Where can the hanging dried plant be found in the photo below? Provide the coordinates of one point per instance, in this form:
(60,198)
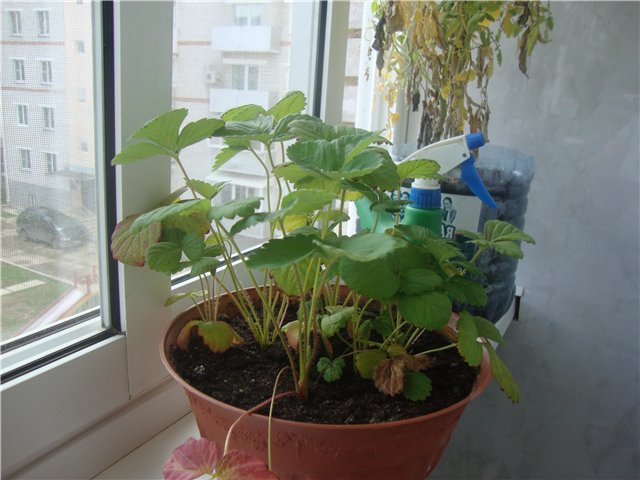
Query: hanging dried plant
(441,55)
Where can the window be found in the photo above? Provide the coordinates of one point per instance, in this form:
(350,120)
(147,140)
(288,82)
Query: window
(82,94)
(23,116)
(84,147)
(80,46)
(244,77)
(52,162)
(46,73)
(31,200)
(15,20)
(42,17)
(25,158)
(245,15)
(18,69)
(49,118)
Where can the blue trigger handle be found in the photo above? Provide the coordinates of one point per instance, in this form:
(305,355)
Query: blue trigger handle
(472,179)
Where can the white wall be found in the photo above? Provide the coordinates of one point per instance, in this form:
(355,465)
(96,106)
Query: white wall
(575,352)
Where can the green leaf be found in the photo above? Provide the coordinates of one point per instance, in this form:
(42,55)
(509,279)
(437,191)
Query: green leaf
(309,128)
(430,310)
(204,265)
(304,178)
(136,152)
(164,257)
(418,280)
(363,164)
(499,231)
(129,247)
(197,131)
(418,169)
(367,361)
(384,177)
(417,386)
(242,207)
(181,296)
(163,130)
(301,202)
(206,189)
(281,252)
(218,336)
(287,280)
(502,375)
(293,102)
(257,129)
(161,213)
(374,279)
(487,330)
(337,320)
(366,247)
(467,291)
(468,344)
(243,113)
(193,223)
(383,324)
(331,370)
(226,154)
(193,246)
(319,155)
(248,222)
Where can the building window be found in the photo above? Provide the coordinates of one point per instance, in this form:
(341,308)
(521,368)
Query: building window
(18,68)
(84,147)
(244,77)
(31,199)
(25,158)
(245,15)
(82,94)
(80,46)
(49,118)
(15,19)
(46,73)
(52,162)
(23,115)
(43,23)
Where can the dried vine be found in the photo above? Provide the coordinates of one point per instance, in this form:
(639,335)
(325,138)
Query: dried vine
(435,51)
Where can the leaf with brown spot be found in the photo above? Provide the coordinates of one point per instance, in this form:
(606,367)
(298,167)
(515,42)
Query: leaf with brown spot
(388,376)
(129,248)
(415,363)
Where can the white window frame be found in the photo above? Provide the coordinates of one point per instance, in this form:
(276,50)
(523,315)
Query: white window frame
(245,76)
(79,414)
(19,70)
(248,12)
(51,161)
(23,114)
(46,71)
(48,117)
(15,22)
(26,162)
(43,23)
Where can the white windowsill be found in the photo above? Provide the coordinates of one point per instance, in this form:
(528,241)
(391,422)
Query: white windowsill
(147,460)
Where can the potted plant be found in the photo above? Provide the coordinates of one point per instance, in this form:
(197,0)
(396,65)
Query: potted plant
(323,311)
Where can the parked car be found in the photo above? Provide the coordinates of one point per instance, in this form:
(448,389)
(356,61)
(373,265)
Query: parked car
(44,224)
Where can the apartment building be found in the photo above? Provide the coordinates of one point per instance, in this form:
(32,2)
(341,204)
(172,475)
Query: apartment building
(48,146)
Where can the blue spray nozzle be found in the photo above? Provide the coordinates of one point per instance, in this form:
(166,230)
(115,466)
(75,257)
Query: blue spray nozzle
(474,140)
(470,176)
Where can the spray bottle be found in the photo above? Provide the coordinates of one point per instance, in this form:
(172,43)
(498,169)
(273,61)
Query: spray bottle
(425,209)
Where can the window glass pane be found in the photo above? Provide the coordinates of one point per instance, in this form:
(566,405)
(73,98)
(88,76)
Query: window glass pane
(228,54)
(48,251)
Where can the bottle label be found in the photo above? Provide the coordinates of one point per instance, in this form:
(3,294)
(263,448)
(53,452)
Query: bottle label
(459,212)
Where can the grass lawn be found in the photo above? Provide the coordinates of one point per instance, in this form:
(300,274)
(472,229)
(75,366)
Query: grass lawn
(18,308)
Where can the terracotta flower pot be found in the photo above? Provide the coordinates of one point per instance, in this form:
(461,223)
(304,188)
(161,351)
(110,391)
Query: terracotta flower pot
(405,449)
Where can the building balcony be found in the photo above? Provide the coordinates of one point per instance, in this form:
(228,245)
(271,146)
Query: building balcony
(223,99)
(241,39)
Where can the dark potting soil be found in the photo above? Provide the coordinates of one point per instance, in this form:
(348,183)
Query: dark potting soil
(244,377)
